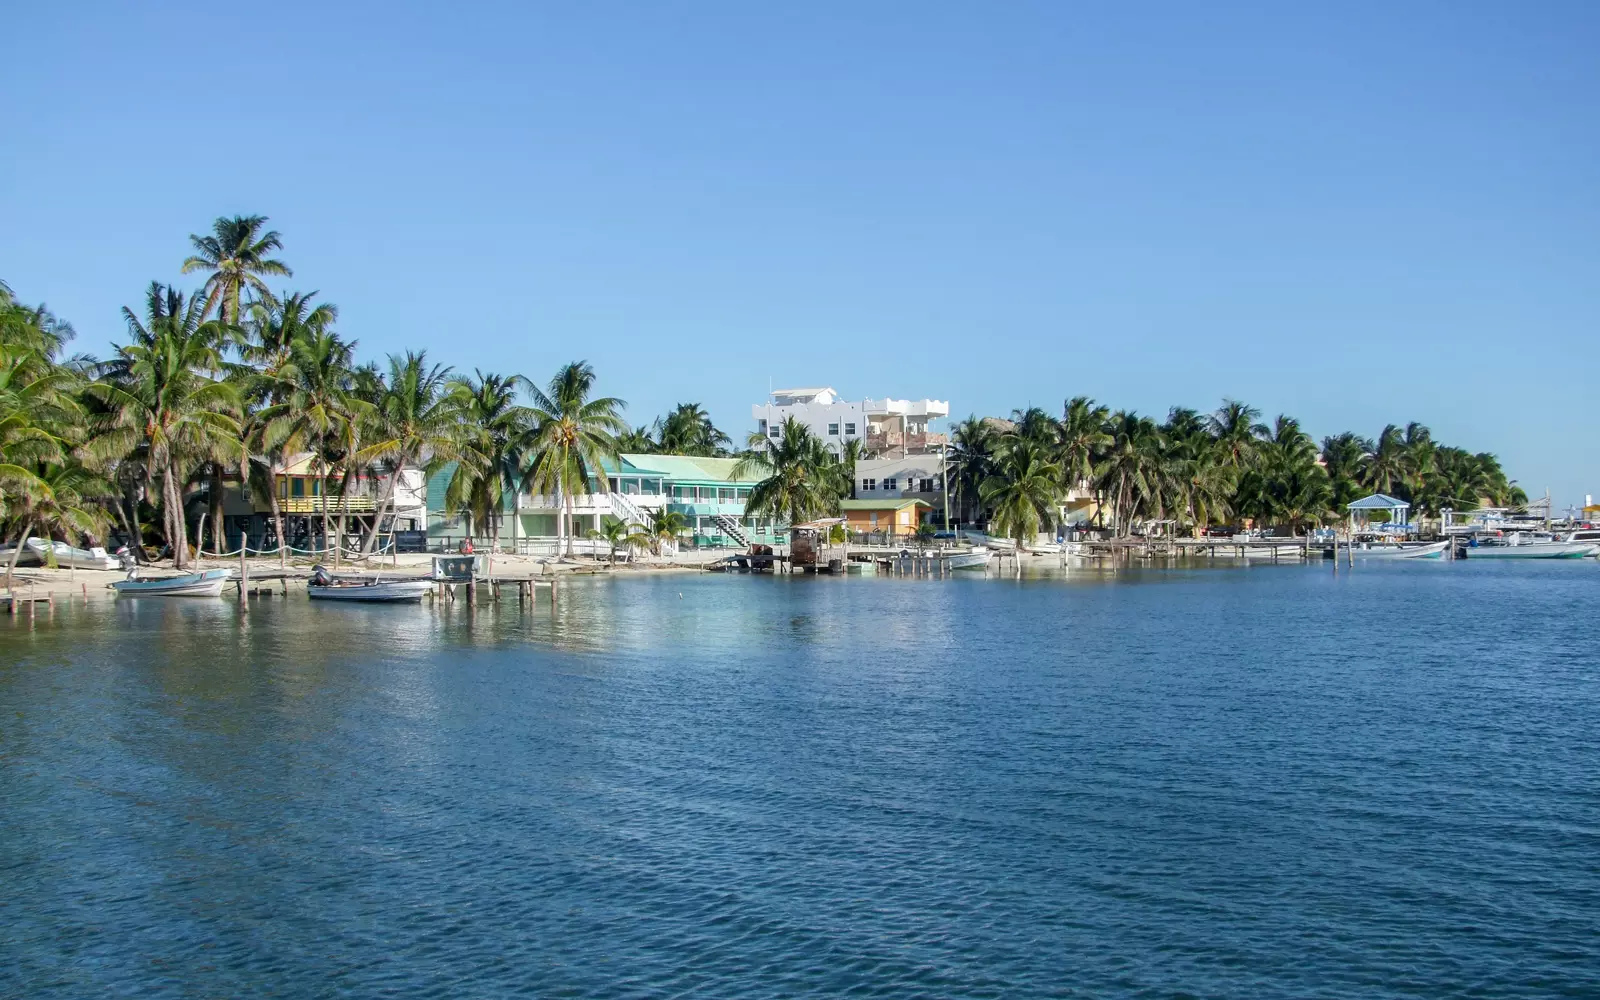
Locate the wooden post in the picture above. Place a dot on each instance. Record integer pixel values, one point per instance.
(244, 575)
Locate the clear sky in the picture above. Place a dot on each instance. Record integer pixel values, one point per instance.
(1356, 213)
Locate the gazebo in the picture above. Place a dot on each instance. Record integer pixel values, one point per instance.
(1396, 510)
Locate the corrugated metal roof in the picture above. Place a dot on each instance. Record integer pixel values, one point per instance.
(1378, 501)
(888, 503)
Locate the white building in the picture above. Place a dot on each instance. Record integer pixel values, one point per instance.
(883, 426)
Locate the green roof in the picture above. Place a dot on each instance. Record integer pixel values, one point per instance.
(686, 468)
(888, 503)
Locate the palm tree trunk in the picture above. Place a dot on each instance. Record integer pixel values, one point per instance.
(177, 530)
(22, 543)
(277, 517)
(218, 537)
(384, 500)
(566, 513)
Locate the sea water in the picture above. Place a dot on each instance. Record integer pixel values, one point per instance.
(1266, 782)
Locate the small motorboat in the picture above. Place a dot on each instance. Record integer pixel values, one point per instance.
(1423, 550)
(1271, 552)
(323, 587)
(207, 583)
(1515, 547)
(62, 554)
(975, 559)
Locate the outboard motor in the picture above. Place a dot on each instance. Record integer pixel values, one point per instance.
(320, 577)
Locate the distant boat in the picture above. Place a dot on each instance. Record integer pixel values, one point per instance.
(976, 559)
(1514, 548)
(1271, 551)
(66, 555)
(372, 591)
(1424, 550)
(205, 584)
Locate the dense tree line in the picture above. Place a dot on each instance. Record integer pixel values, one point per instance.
(1197, 470)
(237, 379)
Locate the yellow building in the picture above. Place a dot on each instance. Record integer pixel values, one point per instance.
(894, 514)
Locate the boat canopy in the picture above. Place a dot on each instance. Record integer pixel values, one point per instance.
(1379, 501)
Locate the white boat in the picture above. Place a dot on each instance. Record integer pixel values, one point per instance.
(371, 590)
(1279, 552)
(1423, 550)
(1007, 545)
(1515, 549)
(1046, 549)
(65, 555)
(205, 584)
(975, 559)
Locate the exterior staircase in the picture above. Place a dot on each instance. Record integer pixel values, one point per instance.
(629, 511)
(732, 528)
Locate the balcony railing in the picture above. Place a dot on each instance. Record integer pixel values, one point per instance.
(333, 505)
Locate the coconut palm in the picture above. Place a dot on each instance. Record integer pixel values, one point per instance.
(160, 402)
(235, 257)
(1083, 437)
(1130, 473)
(665, 526)
(417, 418)
(1203, 489)
(688, 430)
(800, 479)
(320, 412)
(1022, 491)
(971, 462)
(617, 533)
(572, 437)
(1388, 465)
(637, 441)
(498, 431)
(67, 504)
(1237, 431)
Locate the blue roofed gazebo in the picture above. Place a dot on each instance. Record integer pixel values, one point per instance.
(1396, 513)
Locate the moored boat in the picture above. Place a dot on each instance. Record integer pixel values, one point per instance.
(372, 591)
(975, 559)
(65, 555)
(1514, 549)
(1423, 550)
(204, 584)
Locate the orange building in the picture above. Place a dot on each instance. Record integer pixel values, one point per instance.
(896, 514)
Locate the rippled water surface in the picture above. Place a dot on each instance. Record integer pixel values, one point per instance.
(1245, 783)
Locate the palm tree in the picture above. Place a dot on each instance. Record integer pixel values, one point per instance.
(573, 435)
(1130, 473)
(688, 430)
(1083, 438)
(498, 435)
(321, 412)
(1204, 489)
(637, 441)
(66, 505)
(416, 414)
(665, 525)
(1236, 429)
(235, 255)
(1022, 492)
(972, 461)
(161, 402)
(1388, 466)
(1343, 456)
(1035, 426)
(617, 533)
(800, 478)
(849, 456)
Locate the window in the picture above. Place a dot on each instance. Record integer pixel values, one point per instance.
(905, 517)
(868, 485)
(833, 430)
(874, 517)
(925, 486)
(726, 496)
(772, 431)
(891, 484)
(849, 430)
(761, 426)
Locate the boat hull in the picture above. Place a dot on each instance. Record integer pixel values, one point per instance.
(968, 560)
(206, 584)
(390, 592)
(1534, 550)
(1432, 550)
(65, 555)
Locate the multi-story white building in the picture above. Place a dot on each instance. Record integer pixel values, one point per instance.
(883, 426)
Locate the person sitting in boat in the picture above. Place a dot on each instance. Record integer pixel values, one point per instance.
(465, 547)
(320, 577)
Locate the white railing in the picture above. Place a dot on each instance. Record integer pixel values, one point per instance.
(628, 510)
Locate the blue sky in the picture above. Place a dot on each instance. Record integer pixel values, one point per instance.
(995, 204)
